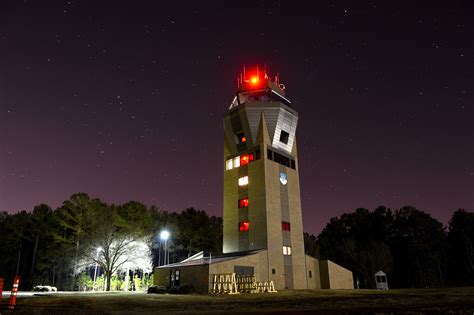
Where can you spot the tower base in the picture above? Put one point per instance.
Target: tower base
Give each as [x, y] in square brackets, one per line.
[199, 269]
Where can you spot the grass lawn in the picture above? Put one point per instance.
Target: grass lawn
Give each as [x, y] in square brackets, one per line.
[412, 301]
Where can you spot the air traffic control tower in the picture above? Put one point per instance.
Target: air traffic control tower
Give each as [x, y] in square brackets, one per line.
[262, 205]
[263, 227]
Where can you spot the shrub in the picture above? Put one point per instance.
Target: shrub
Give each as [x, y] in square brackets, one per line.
[157, 289]
[185, 289]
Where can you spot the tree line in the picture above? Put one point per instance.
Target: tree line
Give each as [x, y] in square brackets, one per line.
[60, 247]
[414, 249]
[64, 247]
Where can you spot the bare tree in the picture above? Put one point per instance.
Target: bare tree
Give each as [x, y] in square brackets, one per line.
[117, 235]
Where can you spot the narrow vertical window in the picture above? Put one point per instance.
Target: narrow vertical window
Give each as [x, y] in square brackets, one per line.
[244, 159]
[244, 226]
[285, 226]
[243, 203]
[293, 164]
[287, 250]
[240, 138]
[269, 154]
[229, 164]
[243, 181]
[237, 161]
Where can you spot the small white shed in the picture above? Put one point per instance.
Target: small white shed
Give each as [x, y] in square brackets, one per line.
[381, 280]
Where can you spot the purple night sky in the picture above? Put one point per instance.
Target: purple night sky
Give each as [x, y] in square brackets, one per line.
[124, 100]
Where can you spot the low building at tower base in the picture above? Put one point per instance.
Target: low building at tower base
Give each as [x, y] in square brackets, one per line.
[199, 269]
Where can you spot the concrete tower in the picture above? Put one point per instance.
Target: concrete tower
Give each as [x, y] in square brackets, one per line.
[262, 205]
[263, 226]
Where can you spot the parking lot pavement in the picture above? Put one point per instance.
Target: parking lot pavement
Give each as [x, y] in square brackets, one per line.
[6, 294]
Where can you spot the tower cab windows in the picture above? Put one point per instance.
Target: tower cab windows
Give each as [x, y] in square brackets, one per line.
[261, 95]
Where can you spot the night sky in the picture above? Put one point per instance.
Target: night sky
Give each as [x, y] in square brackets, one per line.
[124, 100]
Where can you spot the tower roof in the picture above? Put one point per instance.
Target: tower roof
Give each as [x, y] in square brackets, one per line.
[257, 78]
[257, 84]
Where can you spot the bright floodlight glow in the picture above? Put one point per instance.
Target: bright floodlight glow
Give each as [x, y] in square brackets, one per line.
[164, 235]
[99, 249]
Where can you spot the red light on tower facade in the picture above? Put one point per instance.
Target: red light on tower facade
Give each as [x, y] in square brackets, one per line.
[243, 203]
[244, 159]
[244, 226]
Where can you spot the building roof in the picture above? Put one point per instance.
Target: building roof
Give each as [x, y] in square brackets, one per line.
[206, 258]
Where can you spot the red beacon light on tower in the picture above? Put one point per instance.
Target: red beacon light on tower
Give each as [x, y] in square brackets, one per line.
[257, 85]
[253, 79]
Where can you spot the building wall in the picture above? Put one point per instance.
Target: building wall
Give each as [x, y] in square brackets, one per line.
[270, 202]
[312, 265]
[325, 274]
[258, 261]
[334, 276]
[296, 220]
[257, 199]
[231, 216]
[275, 235]
[197, 276]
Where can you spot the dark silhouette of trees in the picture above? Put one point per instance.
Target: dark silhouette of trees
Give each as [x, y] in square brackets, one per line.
[460, 247]
[50, 247]
[418, 247]
[408, 244]
[360, 242]
[191, 231]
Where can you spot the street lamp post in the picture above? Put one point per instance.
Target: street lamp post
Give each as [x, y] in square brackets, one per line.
[159, 253]
[99, 249]
[164, 235]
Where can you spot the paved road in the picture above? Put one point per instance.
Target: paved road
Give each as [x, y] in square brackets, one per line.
[6, 294]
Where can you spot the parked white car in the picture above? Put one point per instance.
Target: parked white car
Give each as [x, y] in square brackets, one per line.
[44, 288]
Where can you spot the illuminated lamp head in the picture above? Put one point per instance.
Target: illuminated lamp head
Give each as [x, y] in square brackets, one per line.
[254, 80]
